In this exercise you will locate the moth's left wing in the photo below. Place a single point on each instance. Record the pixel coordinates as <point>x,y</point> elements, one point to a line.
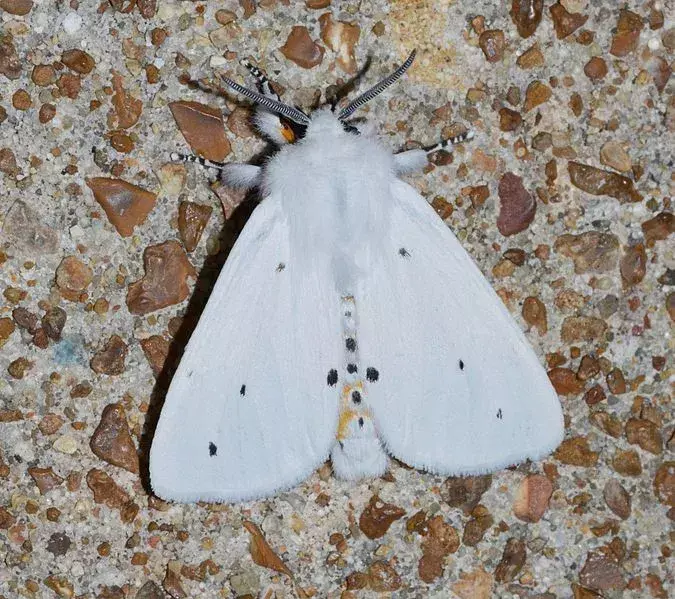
<point>460,390</point>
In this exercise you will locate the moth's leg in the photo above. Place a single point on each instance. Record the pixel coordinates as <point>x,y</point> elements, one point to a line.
<point>415,160</point>
<point>263,82</point>
<point>239,176</point>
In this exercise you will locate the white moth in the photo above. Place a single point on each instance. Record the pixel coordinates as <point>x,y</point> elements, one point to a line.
<point>347,322</point>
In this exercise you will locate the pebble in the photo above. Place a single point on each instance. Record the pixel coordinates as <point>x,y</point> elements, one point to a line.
<point>20,8</point>
<point>658,228</point>
<point>110,359</point>
<point>172,584</point>
<point>576,452</point>
<point>513,560</point>
<point>192,219</point>
<point>664,483</point>
<point>532,58</point>
<point>537,93</point>
<point>58,544</point>
<point>532,498</point>
<point>517,205</point>
<point>72,23</point>
<point>10,64</point>
<point>565,381</point>
<point>167,269</point>
<point>633,265</point>
<point>617,498</point>
<point>601,573</point>
<point>341,37</point>
<point>534,314</point>
<point>65,444</point>
<point>7,327</point>
<point>526,14</point>
<point>301,49</point>
<point>50,424</point>
<point>25,319</point>
<point>202,127</point>
<point>465,492</point>
<point>596,68</point>
<point>150,590</point>
<point>45,479</point>
<point>239,122</point>
<point>60,585</point>
<point>125,205</point>
<point>53,322</point>
<point>383,578</point>
<point>78,61</point>
<point>72,277</point>
<point>582,328</point>
<point>18,368</point>
<point>156,350</point>
<point>440,540</point>
<point>614,156</point>
<point>126,110</point>
<point>627,35</point>
<point>492,42</point>
<point>627,462</point>
<point>591,251</point>
<point>565,23</point>
<point>644,433</point>
<point>476,584</point>
<point>378,516</point>
<point>476,527</point>
<point>112,440</point>
<point>509,120</point>
<point>107,492</point>
<point>616,382</point>
<point>43,75</point>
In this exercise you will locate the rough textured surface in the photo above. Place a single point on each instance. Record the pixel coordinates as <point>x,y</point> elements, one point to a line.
<point>98,297</point>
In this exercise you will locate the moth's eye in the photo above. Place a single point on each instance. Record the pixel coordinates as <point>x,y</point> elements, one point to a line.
<point>287,132</point>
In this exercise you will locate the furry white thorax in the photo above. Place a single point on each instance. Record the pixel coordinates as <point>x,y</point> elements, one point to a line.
<point>339,182</point>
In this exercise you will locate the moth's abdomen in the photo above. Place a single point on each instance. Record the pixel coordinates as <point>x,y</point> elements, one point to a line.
<point>357,452</point>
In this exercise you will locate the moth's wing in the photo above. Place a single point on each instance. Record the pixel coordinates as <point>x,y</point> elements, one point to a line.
<point>460,390</point>
<point>249,410</point>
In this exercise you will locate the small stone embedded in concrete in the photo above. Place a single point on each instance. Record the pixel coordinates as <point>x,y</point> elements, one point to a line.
<point>72,277</point>
<point>167,269</point>
<point>616,381</point>
<point>23,229</point>
<point>617,498</point>
<point>78,61</point>
<point>126,110</point>
<point>537,93</point>
<point>596,68</point>
<point>633,265</point>
<point>53,322</point>
<point>492,42</point>
<point>513,560</point>
<point>156,350</point>
<point>644,433</point>
<point>565,381</point>
<point>509,120</point>
<point>378,516</point>
<point>301,49</point>
<point>565,22</point>
<point>664,483</point>
<point>517,205</point>
<point>582,328</point>
<point>25,319</point>
<point>261,552</point>
<point>658,228</point>
<point>112,440</point>
<point>126,205</point>
<point>383,578</point>
<point>172,584</point>
<point>576,452</point>
<point>110,359</point>
<point>477,584</point>
<point>239,122</point>
<point>20,8</point>
<point>45,479</point>
<point>532,58</point>
<point>202,127</point>
<point>440,540</point>
<point>627,35</point>
<point>613,155</point>
<point>526,14</point>
<point>50,424</point>
<point>60,585</point>
<point>18,368</point>
<point>591,251</point>
<point>58,544</point>
<point>10,64</point>
<point>599,182</point>
<point>602,573</point>
<point>465,492</point>
<point>534,314</point>
<point>109,493</point>
<point>532,498</point>
<point>627,462</point>
<point>192,219</point>
<point>341,37</point>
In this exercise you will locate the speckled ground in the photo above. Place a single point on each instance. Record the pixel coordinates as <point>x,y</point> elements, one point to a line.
<point>563,199</point>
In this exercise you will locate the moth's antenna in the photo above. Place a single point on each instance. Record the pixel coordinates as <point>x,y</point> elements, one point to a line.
<point>290,112</point>
<point>377,89</point>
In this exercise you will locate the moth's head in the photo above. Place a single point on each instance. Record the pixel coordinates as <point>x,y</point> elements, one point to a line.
<point>285,124</point>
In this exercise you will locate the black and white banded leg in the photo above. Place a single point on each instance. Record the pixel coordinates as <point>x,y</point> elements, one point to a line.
<point>239,176</point>
<point>261,78</point>
<point>415,160</point>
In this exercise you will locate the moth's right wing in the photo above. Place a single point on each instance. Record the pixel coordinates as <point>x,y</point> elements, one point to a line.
<point>249,411</point>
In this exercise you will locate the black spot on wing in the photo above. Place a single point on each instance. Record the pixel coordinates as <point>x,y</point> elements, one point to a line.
<point>361,422</point>
<point>461,365</point>
<point>403,253</point>
<point>281,266</point>
<point>212,449</point>
<point>332,377</point>
<point>350,343</point>
<point>372,374</point>
<point>499,414</point>
<point>242,391</point>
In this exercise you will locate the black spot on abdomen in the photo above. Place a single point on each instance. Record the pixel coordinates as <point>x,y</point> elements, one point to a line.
<point>242,391</point>
<point>356,397</point>
<point>350,343</point>
<point>372,374</point>
<point>352,368</point>
<point>212,449</point>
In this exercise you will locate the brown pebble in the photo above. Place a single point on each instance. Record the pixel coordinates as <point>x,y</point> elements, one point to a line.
<point>565,381</point>
<point>614,156</point>
<point>532,498</point>
<point>536,94</point>
<point>670,306</point>
<point>633,265</point>
<point>576,452</point>
<point>126,109</point>
<point>596,68</point>
<point>45,479</point>
<point>47,113</point>
<point>202,128</point>
<point>156,350</point>
<point>383,578</point>
<point>565,22</point>
<point>644,433</point>
<point>8,162</point>
<point>147,8</point>
<point>627,462</point>
<point>616,381</point>
<point>107,491</point>
<point>664,483</point>
<point>601,573</point>
<point>317,4</point>
<point>172,584</point>
<point>167,269</point>
<point>534,314</point>
<point>659,68</point>
<point>492,43</point>
<point>301,49</point>
<point>517,206</point>
<point>125,205</point>
<point>53,514</point>
<point>440,540</point>
<point>192,219</point>
<point>600,182</point>
<point>78,61</point>
<point>7,327</point>
<point>112,440</point>
<point>43,75</point>
<point>19,8</point>
<point>152,74</point>
<point>512,562</point>
<point>627,35</point>
<point>121,142</point>
<point>69,85</point>
<point>58,544</point>
<point>617,498</point>
<point>72,277</point>
<point>475,529</point>
<point>378,516</point>
<point>589,367</point>
<point>50,424</point>
<point>14,295</point>
<point>477,194</point>
<point>110,359</point>
<point>531,58</point>
<point>21,100</point>
<point>591,251</point>
<point>582,328</point>
<point>17,368</point>
<point>658,228</point>
<point>476,584</point>
<point>10,63</point>
<point>239,122</point>
<point>81,390</point>
<point>53,322</point>
<point>465,492</point>
<point>25,319</point>
<point>341,37</point>
<point>509,120</point>
<point>526,14</point>
<point>225,17</point>
<point>150,590</point>
<point>60,585</point>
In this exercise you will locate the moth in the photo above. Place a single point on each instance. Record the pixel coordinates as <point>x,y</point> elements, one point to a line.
<point>348,322</point>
